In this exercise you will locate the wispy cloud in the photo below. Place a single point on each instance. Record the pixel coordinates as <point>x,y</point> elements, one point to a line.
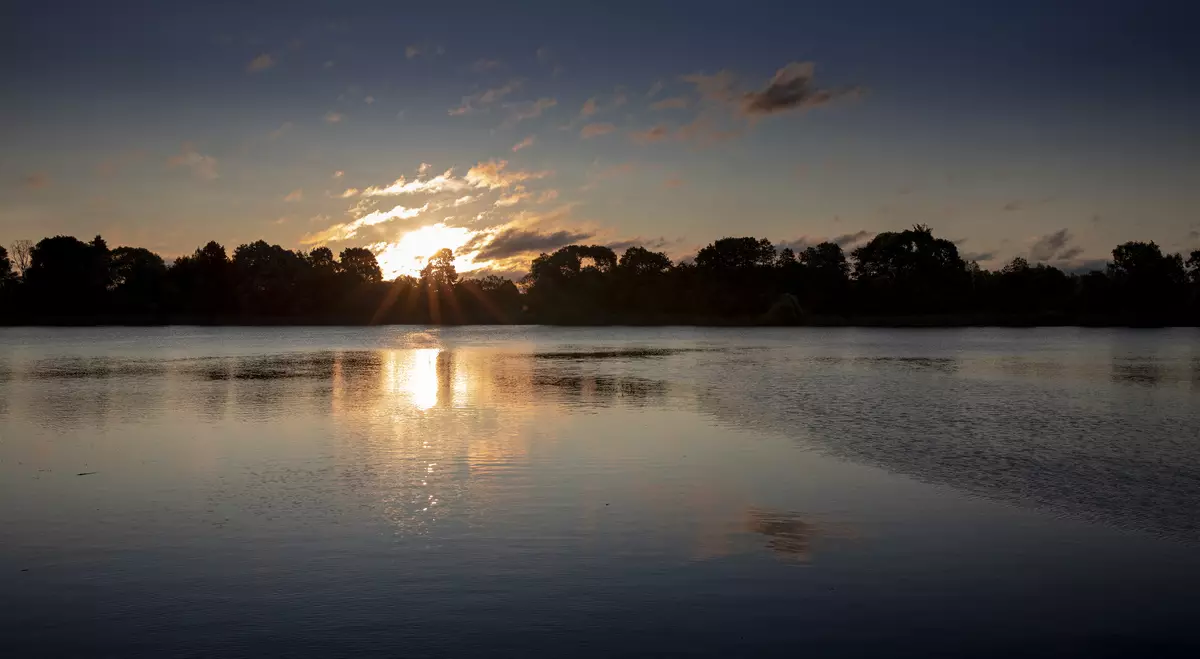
<point>654,89</point>
<point>37,181</point>
<point>260,63</point>
<point>674,182</point>
<point>202,166</point>
<point>495,174</point>
<point>464,200</point>
<point>673,103</point>
<point>338,174</point>
<point>349,192</point>
<point>523,144</point>
<point>295,195</point>
<point>348,230</point>
<point>415,50</point>
<point>283,129</point>
<point>518,195</point>
<point>334,117</point>
<point>1052,246</point>
<point>790,89</point>
<point>441,183</point>
<point>529,110</point>
<point>589,108</point>
<point>655,134</point>
<point>484,65</point>
<point>596,129</point>
<point>516,241</point>
<point>485,98</point>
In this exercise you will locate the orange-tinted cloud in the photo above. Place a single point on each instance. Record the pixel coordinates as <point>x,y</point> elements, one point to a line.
<point>202,166</point>
<point>495,174</point>
<point>348,230</point>
<point>674,103</point>
<point>295,195</point>
<point>260,63</point>
<point>37,181</point>
<point>525,143</point>
<point>596,129</point>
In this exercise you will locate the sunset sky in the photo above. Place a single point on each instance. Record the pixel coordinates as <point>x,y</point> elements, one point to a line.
<point>1050,130</point>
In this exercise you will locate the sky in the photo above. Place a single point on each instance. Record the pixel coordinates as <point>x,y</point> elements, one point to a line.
<point>1048,130</point>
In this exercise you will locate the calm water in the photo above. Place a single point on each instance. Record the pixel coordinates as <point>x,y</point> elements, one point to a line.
<point>599,492</point>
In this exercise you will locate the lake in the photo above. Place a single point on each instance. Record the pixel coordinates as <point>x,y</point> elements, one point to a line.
<point>536,491</point>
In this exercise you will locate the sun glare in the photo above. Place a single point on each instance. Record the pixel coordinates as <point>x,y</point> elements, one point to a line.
<point>408,254</point>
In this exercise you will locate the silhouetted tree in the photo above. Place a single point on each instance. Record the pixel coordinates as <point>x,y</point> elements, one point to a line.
<point>733,280</point>
<point>360,263</point>
<point>1149,284</point>
<point>20,253</point>
<point>910,271</point>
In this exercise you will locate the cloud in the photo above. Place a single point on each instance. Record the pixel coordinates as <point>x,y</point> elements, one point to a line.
<point>978,256</point>
<point>791,89</point>
<point>654,89</point>
<point>674,182</point>
<point>845,241</point>
<point>651,243</point>
<point>518,195</point>
<point>656,134</point>
<point>589,108</point>
<point>369,100</point>
<point>529,109</point>
<point>673,103</point>
<point>850,239</point>
<point>338,174</point>
<point>465,199</point>
<point>618,170</point>
<point>202,166</point>
<point>596,129</point>
<point>260,63</point>
<point>715,87</point>
<point>424,168</point>
<point>495,174</point>
<point>295,195</point>
<point>402,186</point>
<point>415,50</point>
<point>514,241</point>
<point>281,131</point>
<point>348,230</point>
<point>1012,206</point>
<point>484,65</point>
<point>327,65</point>
<point>485,98</point>
<point>1070,253</point>
<point>37,181</point>
<point>1046,247</point>
<point>349,192</point>
<point>525,143</point>
<point>334,117</point>
<point>551,195</point>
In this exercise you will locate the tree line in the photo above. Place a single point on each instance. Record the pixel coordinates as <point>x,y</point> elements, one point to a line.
<point>905,277</point>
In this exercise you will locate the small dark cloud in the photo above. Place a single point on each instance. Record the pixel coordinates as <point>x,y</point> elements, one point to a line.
<point>1012,206</point>
<point>1085,266</point>
<point>1070,253</point>
<point>792,88</point>
<point>37,181</point>
<point>655,134</point>
<point>1046,247</point>
<point>978,256</point>
<point>512,242</point>
<point>850,239</point>
<point>649,243</point>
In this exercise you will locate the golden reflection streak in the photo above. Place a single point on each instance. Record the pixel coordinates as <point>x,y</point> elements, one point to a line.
<point>418,377</point>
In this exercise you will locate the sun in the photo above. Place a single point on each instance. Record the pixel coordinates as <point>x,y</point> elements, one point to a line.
<point>410,253</point>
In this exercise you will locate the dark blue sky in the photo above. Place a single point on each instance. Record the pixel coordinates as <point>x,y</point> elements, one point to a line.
<point>169,123</point>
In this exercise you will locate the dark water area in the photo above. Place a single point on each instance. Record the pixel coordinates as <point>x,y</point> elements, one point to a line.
<point>400,491</point>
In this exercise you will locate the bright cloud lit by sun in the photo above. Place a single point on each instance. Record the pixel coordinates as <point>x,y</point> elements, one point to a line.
<point>408,254</point>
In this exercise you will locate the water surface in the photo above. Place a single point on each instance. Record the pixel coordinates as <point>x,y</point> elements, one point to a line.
<point>597,492</point>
